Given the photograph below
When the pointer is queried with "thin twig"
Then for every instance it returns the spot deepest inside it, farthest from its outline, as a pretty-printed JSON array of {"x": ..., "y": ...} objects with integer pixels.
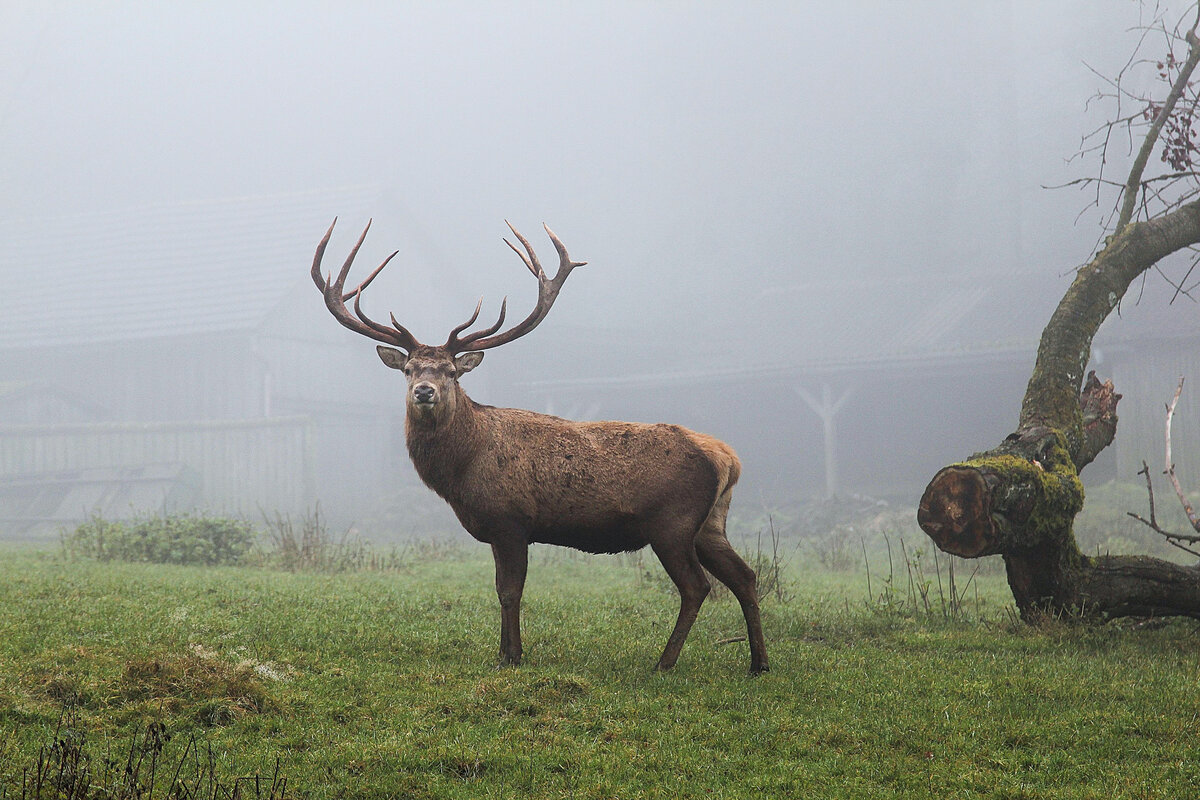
[
  {"x": 1170, "y": 466},
  {"x": 1152, "y": 522}
]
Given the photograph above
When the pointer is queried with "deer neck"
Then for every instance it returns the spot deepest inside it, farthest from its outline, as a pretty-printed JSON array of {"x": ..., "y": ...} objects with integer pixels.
[{"x": 442, "y": 447}]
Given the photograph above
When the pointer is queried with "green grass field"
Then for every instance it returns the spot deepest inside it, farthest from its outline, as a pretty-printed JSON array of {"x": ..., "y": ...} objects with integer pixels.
[{"x": 375, "y": 684}]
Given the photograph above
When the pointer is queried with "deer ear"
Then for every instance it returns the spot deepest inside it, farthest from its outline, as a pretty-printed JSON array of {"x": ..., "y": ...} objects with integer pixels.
[
  {"x": 467, "y": 361},
  {"x": 392, "y": 357}
]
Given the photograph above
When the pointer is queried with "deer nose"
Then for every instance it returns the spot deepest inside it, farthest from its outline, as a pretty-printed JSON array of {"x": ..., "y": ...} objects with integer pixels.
[{"x": 423, "y": 392}]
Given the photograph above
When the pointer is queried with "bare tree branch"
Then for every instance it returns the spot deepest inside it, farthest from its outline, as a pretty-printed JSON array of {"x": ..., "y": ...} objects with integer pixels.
[
  {"x": 1151, "y": 122},
  {"x": 1179, "y": 540},
  {"x": 1134, "y": 182}
]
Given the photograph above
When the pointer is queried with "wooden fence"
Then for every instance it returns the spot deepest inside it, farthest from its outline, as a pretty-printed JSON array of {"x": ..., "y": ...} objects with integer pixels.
[{"x": 244, "y": 466}]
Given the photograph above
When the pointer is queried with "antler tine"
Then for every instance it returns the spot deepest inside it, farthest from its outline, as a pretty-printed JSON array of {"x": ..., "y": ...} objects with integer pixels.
[
  {"x": 531, "y": 261},
  {"x": 335, "y": 298},
  {"x": 498, "y": 323},
  {"x": 403, "y": 331},
  {"x": 564, "y": 260},
  {"x": 474, "y": 316},
  {"x": 547, "y": 292},
  {"x": 371, "y": 277},
  {"x": 349, "y": 262},
  {"x": 321, "y": 282},
  {"x": 385, "y": 333},
  {"x": 458, "y": 345}
]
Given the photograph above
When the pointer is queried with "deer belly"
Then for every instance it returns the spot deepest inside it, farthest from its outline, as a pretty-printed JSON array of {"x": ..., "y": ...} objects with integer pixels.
[{"x": 618, "y": 538}]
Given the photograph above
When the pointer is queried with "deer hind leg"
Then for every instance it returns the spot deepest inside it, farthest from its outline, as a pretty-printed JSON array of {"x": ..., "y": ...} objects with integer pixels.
[
  {"x": 678, "y": 557},
  {"x": 718, "y": 557},
  {"x": 512, "y": 562}
]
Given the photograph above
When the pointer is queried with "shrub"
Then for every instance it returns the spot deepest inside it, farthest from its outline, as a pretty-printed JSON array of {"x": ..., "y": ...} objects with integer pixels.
[{"x": 175, "y": 539}]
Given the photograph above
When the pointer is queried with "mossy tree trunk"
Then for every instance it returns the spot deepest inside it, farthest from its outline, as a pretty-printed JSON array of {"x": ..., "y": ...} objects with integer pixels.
[{"x": 1020, "y": 499}]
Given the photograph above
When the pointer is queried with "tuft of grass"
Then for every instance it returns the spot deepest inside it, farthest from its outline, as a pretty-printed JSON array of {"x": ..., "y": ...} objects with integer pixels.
[
  {"x": 307, "y": 545},
  {"x": 216, "y": 691},
  {"x": 929, "y": 585},
  {"x": 197, "y": 685},
  {"x": 770, "y": 564}
]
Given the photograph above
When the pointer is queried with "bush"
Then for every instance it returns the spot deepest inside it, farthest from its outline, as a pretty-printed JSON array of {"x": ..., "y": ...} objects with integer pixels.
[{"x": 175, "y": 539}]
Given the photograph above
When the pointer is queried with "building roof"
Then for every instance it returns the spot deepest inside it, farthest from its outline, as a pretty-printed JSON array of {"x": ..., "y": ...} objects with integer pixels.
[
  {"x": 833, "y": 322},
  {"x": 832, "y": 326},
  {"x": 924, "y": 321},
  {"x": 180, "y": 269}
]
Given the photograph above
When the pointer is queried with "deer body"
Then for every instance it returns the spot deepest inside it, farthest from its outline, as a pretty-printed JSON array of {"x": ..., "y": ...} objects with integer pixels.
[
  {"x": 516, "y": 477},
  {"x": 581, "y": 485}
]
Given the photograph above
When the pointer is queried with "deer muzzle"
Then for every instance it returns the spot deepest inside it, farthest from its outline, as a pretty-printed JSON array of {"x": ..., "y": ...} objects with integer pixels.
[{"x": 424, "y": 394}]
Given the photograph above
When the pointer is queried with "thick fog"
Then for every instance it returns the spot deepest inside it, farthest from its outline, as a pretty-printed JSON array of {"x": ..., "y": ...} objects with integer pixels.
[{"x": 766, "y": 194}]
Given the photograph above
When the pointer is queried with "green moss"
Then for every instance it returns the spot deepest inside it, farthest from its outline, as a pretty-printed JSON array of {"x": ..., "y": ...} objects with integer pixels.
[
  {"x": 1036, "y": 496},
  {"x": 1050, "y": 402},
  {"x": 1008, "y": 468}
]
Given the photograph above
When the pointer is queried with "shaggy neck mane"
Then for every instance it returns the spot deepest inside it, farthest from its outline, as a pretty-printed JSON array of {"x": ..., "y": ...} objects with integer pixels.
[{"x": 442, "y": 450}]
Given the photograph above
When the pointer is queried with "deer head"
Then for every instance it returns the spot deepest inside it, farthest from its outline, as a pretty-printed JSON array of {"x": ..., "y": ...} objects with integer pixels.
[{"x": 432, "y": 372}]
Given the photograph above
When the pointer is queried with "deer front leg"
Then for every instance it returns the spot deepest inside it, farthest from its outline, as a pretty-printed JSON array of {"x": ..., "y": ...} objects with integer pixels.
[{"x": 512, "y": 561}]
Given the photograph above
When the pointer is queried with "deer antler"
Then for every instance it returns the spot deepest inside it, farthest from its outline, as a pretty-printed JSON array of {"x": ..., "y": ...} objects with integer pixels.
[
  {"x": 547, "y": 292},
  {"x": 335, "y": 299}
]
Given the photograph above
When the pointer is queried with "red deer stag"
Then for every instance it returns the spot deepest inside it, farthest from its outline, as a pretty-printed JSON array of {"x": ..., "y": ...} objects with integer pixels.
[{"x": 514, "y": 477}]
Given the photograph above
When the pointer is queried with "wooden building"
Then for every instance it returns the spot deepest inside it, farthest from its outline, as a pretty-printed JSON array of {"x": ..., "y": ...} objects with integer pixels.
[{"x": 179, "y": 357}]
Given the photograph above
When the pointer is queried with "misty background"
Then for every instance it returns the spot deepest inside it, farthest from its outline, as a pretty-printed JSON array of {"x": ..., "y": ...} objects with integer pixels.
[{"x": 819, "y": 231}]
